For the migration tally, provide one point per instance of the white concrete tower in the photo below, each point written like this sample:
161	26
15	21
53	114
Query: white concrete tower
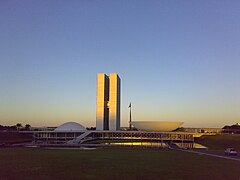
108	102
114	102
102	110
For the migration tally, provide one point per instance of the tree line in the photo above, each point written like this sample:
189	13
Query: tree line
17	127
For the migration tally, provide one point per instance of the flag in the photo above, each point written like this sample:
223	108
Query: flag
130	105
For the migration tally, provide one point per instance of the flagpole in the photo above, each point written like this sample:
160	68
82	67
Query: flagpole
130	117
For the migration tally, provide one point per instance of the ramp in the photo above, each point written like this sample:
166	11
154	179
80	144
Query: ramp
173	146
78	139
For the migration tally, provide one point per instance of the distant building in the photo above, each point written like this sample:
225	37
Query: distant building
202	130
233	129
108	102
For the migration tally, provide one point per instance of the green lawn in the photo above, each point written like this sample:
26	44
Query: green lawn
37	163
220	142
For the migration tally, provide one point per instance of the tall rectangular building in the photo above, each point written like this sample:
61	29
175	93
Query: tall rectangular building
114	102
108	102
102	120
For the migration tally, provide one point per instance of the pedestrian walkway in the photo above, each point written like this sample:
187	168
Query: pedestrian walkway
237	158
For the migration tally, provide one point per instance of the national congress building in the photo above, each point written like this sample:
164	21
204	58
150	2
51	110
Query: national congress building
158	134
108	102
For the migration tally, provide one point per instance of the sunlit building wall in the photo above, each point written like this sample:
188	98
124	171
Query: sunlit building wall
102	111
108	102
114	102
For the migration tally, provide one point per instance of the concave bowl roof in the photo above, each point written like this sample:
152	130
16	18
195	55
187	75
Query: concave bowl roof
156	126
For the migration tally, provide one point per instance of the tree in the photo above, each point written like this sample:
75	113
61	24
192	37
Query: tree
18	125
27	127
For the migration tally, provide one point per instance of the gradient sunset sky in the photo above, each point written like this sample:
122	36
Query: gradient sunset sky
178	60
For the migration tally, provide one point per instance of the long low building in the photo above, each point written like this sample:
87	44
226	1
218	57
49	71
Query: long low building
74	134
77	138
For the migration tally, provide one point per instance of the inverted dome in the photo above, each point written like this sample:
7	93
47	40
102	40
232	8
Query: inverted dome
70	126
159	126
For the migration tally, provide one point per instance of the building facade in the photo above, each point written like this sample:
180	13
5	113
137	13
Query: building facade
108	102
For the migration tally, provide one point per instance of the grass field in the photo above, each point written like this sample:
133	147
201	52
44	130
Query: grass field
220	142
37	163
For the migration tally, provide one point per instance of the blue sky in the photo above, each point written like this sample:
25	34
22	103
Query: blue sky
178	60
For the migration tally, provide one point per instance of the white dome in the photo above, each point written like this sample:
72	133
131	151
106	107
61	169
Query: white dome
70	126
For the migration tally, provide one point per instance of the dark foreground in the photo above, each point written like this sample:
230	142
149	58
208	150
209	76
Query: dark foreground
36	163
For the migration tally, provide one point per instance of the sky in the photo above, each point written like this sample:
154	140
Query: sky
177	60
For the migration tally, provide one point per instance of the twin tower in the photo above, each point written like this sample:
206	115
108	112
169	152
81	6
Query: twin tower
108	102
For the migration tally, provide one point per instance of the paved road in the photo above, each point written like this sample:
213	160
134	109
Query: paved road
214	154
